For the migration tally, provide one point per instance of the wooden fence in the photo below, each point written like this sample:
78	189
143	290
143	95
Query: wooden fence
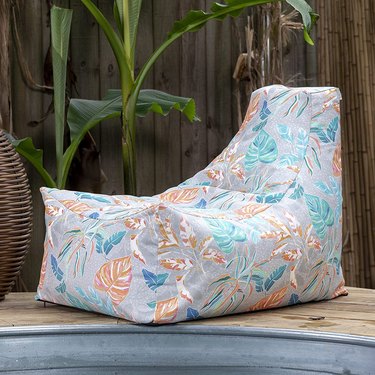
169	149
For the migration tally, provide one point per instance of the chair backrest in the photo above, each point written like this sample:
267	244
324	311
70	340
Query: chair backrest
288	134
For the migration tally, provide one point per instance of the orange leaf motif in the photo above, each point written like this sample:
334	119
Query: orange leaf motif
214	256
292	255
252	209
169	237
76	207
253	108
180	195
336	162
114	278
187	234
135	224
271	301
215	174
177	264
166	311
53	211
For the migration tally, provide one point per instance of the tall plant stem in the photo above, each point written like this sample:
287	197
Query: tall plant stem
128	151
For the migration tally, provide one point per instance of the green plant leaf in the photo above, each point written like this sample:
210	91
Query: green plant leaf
159	102
196	19
61	20
26	148
309	18
320	213
262	150
115	42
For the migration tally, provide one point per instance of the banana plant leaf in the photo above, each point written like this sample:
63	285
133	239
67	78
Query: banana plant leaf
26	148
85	114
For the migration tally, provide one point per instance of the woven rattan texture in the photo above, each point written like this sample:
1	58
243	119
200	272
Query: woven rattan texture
15	215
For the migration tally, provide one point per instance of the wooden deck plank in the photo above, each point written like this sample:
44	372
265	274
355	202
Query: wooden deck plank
353	314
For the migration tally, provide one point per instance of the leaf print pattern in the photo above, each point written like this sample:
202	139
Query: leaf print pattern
154	281
166	311
262	150
226	234
259	228
114	278
321	214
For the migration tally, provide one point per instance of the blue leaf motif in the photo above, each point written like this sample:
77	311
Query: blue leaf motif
94	215
265	112
285	132
115	239
226	234
320	213
294	299
275	275
192	314
56	269
201	204
154	281
262	150
332	129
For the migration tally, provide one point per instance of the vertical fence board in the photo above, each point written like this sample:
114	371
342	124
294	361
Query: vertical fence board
145	126
219	84
193	84
167	78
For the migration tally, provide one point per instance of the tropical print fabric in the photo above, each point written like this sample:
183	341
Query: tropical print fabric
259	228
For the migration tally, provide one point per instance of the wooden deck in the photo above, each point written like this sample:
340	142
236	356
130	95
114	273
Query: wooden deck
353	314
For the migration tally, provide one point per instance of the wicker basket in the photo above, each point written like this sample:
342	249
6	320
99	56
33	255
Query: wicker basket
15	215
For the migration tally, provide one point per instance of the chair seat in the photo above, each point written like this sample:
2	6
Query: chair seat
259	228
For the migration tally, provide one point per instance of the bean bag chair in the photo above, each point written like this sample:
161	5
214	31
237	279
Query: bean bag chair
259	228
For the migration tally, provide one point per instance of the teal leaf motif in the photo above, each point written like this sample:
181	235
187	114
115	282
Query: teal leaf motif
99	243
154	281
316	158
297	193
92	197
321	134
285	132
74	301
320	213
260	126
302	141
115	239
61	288
275	275
332	129
226	234
324	187
262	150
270	198
288	159
258	279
